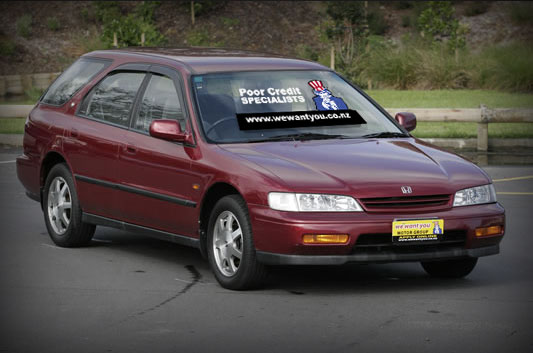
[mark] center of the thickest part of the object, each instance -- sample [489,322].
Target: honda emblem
[407,189]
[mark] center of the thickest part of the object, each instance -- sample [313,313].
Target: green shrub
[507,67]
[106,11]
[415,64]
[437,68]
[146,10]
[438,23]
[52,23]
[24,24]
[377,23]
[129,28]
[7,47]
[198,37]
[391,65]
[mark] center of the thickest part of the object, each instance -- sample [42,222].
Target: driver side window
[160,101]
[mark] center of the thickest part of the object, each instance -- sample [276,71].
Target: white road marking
[5,162]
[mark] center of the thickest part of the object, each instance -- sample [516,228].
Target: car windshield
[281,105]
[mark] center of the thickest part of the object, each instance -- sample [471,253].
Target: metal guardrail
[483,116]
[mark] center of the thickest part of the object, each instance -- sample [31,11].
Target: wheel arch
[49,161]
[215,192]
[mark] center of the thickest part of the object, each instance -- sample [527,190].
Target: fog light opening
[325,238]
[486,231]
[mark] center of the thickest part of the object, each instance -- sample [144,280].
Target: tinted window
[160,101]
[74,78]
[111,100]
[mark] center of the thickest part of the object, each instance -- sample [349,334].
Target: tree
[438,22]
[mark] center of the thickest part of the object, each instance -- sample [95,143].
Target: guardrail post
[483,130]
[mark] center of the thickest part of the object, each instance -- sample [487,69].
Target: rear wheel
[450,268]
[62,212]
[231,250]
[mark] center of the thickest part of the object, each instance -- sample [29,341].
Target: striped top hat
[317,85]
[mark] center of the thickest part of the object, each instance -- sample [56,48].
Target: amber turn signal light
[485,231]
[325,238]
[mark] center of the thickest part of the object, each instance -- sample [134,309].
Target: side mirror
[407,120]
[169,130]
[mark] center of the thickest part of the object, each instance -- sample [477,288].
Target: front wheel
[450,268]
[62,212]
[231,250]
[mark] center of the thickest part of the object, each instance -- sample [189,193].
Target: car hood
[362,168]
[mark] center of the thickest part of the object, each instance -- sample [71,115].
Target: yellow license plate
[417,230]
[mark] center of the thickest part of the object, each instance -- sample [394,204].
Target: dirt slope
[283,27]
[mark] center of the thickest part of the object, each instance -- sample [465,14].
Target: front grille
[386,204]
[382,242]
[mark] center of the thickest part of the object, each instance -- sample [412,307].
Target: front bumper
[282,259]
[278,236]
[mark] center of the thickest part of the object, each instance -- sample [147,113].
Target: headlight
[284,201]
[475,196]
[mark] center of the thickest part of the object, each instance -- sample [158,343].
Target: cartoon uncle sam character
[323,98]
[436,228]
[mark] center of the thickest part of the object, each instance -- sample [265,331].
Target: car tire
[450,268]
[230,248]
[62,212]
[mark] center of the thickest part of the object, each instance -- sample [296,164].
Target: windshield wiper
[300,137]
[385,134]
[307,136]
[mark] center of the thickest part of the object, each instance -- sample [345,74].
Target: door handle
[131,149]
[74,133]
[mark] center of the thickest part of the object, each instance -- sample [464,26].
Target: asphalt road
[129,293]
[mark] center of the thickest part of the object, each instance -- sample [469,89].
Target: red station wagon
[254,159]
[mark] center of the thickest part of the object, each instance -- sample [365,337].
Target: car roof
[206,60]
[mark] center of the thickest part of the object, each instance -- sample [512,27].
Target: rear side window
[160,101]
[74,78]
[111,100]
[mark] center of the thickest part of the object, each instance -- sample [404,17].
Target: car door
[93,143]
[157,181]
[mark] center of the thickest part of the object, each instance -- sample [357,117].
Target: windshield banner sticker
[283,120]
[324,100]
[271,95]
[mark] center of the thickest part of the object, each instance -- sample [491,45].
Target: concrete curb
[15,110]
[11,139]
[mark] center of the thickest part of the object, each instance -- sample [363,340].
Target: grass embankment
[451,99]
[459,99]
[12,125]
